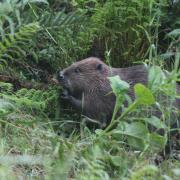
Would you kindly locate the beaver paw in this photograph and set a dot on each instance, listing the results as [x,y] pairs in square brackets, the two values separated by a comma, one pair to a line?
[65,95]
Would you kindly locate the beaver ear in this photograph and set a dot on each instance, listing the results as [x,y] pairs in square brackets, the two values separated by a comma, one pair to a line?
[99,67]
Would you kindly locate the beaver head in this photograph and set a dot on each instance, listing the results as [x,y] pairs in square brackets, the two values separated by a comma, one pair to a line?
[84,76]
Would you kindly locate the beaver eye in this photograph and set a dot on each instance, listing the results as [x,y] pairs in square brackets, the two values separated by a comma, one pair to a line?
[99,67]
[76,70]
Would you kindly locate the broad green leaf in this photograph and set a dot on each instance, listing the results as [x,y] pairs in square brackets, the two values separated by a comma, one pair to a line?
[120,89]
[116,160]
[156,122]
[156,77]
[118,86]
[137,130]
[143,95]
[138,144]
[136,133]
[157,141]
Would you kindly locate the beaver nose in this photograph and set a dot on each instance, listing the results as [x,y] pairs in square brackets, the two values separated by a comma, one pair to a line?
[61,75]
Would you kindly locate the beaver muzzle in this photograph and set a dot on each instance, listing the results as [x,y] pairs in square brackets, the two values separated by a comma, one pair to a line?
[64,81]
[61,76]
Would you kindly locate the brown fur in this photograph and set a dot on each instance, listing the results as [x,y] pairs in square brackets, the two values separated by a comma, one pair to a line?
[87,80]
[88,88]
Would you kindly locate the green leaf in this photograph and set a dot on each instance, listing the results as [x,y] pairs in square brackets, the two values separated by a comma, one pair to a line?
[118,86]
[39,1]
[120,89]
[157,141]
[137,130]
[156,122]
[143,95]
[138,144]
[156,77]
[174,33]
[117,160]
[136,133]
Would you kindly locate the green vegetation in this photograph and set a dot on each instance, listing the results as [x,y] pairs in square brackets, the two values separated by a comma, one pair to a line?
[42,139]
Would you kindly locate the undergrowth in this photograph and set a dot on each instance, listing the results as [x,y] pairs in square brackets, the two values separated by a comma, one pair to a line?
[41,137]
[31,147]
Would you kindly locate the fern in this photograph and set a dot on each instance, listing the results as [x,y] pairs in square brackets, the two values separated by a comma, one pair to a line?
[11,12]
[29,100]
[17,45]
[6,87]
[59,19]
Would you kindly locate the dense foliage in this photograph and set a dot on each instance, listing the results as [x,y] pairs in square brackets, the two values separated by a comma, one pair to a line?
[43,138]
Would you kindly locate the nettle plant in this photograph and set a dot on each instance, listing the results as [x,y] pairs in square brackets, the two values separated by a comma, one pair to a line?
[146,122]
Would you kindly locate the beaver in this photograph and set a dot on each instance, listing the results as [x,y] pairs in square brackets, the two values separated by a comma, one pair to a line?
[88,88]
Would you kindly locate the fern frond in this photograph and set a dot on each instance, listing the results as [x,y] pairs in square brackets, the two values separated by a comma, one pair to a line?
[59,19]
[6,87]
[30,100]
[16,45]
